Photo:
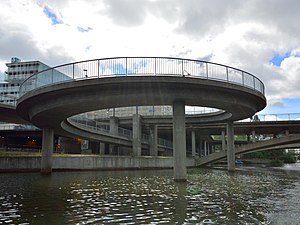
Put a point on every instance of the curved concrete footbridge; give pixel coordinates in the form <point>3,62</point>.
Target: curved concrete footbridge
<point>49,98</point>
<point>275,143</point>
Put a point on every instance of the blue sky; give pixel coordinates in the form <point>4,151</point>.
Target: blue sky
<point>278,58</point>
<point>251,37</point>
<point>289,105</point>
<point>52,16</point>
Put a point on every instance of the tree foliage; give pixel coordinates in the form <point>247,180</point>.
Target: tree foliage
<point>273,155</point>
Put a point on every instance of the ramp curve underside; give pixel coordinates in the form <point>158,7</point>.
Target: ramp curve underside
<point>50,105</point>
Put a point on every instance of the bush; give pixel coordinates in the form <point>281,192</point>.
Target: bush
<point>288,158</point>
<point>276,162</point>
<point>274,155</point>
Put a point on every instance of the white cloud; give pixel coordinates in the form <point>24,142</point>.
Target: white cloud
<point>244,34</point>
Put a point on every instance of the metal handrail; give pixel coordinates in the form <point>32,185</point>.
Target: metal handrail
<point>273,117</point>
<point>17,127</point>
<point>142,66</point>
<point>98,126</point>
<point>160,110</point>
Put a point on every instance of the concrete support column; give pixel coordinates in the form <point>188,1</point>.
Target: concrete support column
<point>136,135</point>
<point>113,125</point>
<point>223,140</point>
<point>287,132</point>
<point>179,141</point>
<point>253,136</point>
<point>47,151</point>
<point>113,129</point>
<point>153,140</point>
<point>200,147</point>
<point>230,147</point>
<point>102,148</point>
<point>205,148</point>
<point>248,138</point>
<point>193,143</point>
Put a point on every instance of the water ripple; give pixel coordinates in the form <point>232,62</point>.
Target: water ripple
<point>148,197</point>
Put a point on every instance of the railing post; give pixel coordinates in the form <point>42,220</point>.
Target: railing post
<point>182,70</point>
<point>243,78</point>
<point>98,68</point>
<point>126,66</point>
<point>73,70</point>
<point>86,121</point>
<point>254,82</point>
<point>155,66</point>
<point>227,74</point>
<point>206,64</point>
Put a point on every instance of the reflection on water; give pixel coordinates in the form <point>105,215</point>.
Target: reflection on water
<point>150,197</point>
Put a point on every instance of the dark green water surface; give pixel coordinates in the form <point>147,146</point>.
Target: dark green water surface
<point>248,196</point>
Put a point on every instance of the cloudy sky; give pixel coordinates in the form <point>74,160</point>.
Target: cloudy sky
<point>259,36</point>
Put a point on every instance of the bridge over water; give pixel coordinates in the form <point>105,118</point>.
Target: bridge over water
<point>280,142</point>
<point>49,98</point>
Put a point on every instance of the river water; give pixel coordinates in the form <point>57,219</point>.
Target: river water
<point>251,195</point>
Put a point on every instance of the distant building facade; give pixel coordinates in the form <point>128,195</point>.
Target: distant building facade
<point>17,72</point>
<point>16,136</point>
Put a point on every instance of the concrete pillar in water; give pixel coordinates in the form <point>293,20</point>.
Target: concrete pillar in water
<point>153,140</point>
<point>179,141</point>
<point>230,147</point>
<point>136,135</point>
<point>223,140</point>
<point>47,151</point>
<point>102,148</point>
<point>113,129</point>
<point>193,143</point>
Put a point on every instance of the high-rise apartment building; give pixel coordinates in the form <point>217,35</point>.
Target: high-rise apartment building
<point>16,136</point>
<point>17,72</point>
